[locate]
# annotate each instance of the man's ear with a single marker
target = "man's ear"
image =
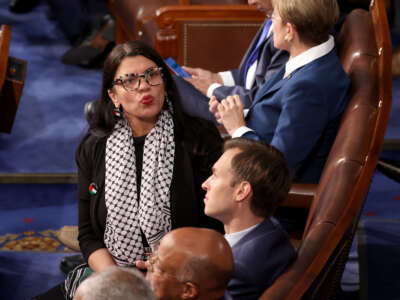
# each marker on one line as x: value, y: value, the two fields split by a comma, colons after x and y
x: 190, y: 290
x: 243, y: 190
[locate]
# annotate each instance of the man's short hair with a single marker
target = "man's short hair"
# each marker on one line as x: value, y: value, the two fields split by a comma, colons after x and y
x: 117, y: 283
x: 267, y: 171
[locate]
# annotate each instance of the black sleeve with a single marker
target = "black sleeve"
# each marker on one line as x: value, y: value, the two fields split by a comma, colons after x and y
x: 89, y: 241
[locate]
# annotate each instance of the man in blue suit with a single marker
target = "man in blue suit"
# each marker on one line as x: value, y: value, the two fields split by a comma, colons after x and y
x: 260, y: 62
x: 248, y: 183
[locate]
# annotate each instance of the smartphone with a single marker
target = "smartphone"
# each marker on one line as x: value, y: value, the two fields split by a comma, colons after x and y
x: 176, y: 68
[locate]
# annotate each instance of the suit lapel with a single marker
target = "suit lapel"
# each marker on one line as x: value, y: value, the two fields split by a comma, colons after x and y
x: 271, y: 85
x: 263, y: 227
x: 264, y: 57
x: 275, y: 83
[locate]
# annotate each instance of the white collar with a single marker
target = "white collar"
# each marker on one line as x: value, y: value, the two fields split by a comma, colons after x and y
x: 308, y: 56
x: 234, y: 237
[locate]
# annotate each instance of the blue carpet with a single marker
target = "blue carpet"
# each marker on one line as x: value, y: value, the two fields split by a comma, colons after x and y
x: 49, y: 121
x: 379, y: 259
x: 31, y: 222
x: 383, y: 199
x: 379, y: 243
x: 30, y: 214
x: 31, y: 273
x: 36, y: 195
x: 39, y: 218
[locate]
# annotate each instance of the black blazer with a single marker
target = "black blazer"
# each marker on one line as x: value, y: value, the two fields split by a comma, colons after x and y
x: 194, y: 156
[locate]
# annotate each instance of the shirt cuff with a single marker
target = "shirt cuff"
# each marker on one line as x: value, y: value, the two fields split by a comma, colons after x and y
x: 241, y: 131
x: 227, y: 78
x: 211, y: 88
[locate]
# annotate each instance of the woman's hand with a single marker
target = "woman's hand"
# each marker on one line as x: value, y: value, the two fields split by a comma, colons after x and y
x: 229, y: 112
x: 100, y: 260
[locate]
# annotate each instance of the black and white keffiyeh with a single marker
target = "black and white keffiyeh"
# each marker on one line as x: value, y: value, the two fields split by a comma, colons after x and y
x: 126, y: 215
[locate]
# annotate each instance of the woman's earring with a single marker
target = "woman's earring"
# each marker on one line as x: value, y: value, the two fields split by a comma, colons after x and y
x: 117, y: 112
x: 286, y: 39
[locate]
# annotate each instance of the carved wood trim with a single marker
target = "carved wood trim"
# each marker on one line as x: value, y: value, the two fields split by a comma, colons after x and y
x: 5, y: 38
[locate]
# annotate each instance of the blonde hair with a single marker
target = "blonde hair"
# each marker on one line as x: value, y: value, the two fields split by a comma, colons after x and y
x: 313, y: 19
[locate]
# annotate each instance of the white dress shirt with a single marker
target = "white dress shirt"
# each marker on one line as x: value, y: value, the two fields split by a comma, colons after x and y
x: 233, y: 238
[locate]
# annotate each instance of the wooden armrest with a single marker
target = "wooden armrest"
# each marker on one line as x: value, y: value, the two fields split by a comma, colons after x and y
x: 300, y: 195
x: 166, y: 14
x: 5, y: 38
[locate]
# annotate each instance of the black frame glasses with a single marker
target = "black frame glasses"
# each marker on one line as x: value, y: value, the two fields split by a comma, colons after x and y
x: 127, y: 78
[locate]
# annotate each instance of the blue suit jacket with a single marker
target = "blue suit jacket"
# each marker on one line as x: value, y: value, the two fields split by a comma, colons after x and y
x: 270, y: 60
x: 259, y: 257
x: 300, y: 114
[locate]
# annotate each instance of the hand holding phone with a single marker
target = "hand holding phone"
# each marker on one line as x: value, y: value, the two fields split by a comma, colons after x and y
x: 176, y: 68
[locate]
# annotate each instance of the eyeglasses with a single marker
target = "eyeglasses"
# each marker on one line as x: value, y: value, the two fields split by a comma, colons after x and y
x: 153, y: 266
x: 131, y: 82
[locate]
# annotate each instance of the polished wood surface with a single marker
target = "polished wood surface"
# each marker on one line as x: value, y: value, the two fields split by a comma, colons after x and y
x: 12, y: 79
x: 5, y: 38
x: 212, y: 34
x: 300, y: 195
x: 211, y: 37
x: 135, y: 18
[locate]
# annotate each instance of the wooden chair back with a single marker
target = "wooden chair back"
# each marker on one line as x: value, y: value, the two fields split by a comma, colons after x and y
x: 12, y: 79
x: 211, y: 37
x: 5, y: 38
x: 135, y: 19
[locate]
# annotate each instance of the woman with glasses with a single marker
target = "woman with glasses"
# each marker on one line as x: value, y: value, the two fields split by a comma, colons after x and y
x: 140, y: 166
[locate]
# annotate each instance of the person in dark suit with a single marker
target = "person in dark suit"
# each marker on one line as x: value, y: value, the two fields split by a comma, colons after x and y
x: 299, y: 109
x: 248, y: 183
x: 260, y: 62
